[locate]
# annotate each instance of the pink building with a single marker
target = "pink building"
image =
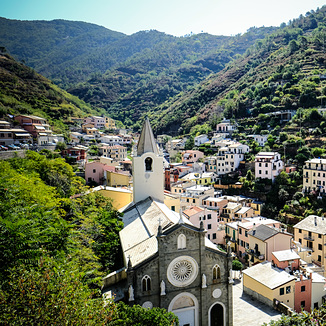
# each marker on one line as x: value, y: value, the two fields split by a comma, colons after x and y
x: 94, y: 172
x: 264, y: 239
x: 191, y: 156
x: 302, y: 293
x: 286, y: 259
x: 210, y: 219
x: 246, y: 225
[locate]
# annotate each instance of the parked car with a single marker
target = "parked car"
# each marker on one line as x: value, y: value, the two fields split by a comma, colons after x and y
x: 13, y: 147
x: 3, y: 148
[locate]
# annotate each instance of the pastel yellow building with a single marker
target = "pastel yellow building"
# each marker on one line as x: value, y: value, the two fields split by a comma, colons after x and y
x: 310, y: 235
x: 266, y: 283
x: 171, y: 201
x: 114, y: 179
x: 314, y: 176
x: 109, y: 123
x: 120, y: 196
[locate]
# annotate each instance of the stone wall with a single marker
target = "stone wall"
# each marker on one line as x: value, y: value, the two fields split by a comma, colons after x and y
x: 258, y: 297
x: 5, y: 155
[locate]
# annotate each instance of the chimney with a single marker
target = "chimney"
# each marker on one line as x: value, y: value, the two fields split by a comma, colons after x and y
x: 301, y: 277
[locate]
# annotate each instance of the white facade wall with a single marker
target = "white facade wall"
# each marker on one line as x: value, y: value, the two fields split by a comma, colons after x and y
x: 268, y: 165
x: 201, y: 139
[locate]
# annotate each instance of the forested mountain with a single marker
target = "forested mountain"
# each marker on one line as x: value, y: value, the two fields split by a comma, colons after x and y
x: 178, y: 81
x: 125, y: 75
x: 155, y: 75
x: 23, y: 91
x: 285, y: 70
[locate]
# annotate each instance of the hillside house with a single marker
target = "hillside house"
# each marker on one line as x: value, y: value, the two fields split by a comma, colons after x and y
x: 268, y: 165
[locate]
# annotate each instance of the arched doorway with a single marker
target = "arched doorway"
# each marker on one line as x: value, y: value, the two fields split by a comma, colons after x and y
x: 185, y: 306
x: 216, y: 315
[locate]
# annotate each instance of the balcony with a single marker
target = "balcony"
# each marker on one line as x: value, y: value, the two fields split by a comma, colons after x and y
x: 309, y: 237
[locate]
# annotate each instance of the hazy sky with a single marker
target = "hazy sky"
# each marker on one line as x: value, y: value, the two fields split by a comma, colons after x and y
x: 176, y: 17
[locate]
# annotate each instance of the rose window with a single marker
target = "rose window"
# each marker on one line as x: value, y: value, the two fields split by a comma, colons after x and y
x: 182, y: 271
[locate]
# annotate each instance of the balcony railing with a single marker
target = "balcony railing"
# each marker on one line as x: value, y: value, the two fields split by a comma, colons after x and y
x: 309, y: 238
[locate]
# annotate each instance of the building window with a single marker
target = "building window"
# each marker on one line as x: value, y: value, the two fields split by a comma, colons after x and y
x: 148, y: 163
x: 319, y: 258
x: 214, y: 236
x: 303, y: 304
x: 281, y: 291
x: 146, y: 283
x: 288, y: 289
x: 320, y: 247
x: 303, y: 288
x: 319, y: 236
x: 94, y: 170
x: 300, y: 231
x: 209, y: 216
x: 182, y: 241
x: 173, y: 208
x: 240, y: 231
x: 300, y: 241
x: 209, y: 237
x: 209, y: 226
x: 216, y: 272
x: 246, y: 234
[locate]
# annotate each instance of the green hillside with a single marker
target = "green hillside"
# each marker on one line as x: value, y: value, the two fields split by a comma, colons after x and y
x: 23, y: 91
x: 156, y: 75
x: 285, y: 70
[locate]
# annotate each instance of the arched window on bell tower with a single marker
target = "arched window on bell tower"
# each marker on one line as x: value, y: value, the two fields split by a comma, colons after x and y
x: 148, y: 164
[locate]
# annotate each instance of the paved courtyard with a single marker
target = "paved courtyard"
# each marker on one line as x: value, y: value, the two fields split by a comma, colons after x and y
x: 248, y: 311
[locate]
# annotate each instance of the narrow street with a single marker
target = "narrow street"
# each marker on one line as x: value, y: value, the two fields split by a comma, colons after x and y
x: 248, y: 311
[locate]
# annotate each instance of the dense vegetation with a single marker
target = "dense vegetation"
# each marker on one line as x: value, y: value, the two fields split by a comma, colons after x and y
x: 23, y: 91
x: 316, y: 318
x: 55, y: 247
x: 180, y: 82
x: 284, y: 70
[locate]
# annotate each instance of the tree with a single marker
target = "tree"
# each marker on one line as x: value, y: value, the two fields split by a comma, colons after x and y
x: 53, y: 293
x: 293, y: 46
x: 237, y: 265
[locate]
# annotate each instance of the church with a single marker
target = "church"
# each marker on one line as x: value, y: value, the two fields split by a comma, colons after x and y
x: 169, y: 263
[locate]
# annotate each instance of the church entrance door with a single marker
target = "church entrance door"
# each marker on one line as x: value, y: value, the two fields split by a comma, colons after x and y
x: 185, y: 306
x: 217, y: 315
x: 186, y: 316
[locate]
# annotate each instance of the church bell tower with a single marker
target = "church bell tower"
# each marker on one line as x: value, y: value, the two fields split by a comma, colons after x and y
x: 147, y: 167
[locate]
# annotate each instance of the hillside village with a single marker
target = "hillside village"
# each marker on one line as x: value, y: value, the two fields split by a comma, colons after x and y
x: 175, y: 180
x: 282, y: 264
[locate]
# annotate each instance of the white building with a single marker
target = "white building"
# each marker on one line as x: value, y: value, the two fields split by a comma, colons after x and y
x: 225, y: 126
x: 228, y: 158
x: 112, y: 140
x: 268, y: 165
x: 260, y: 139
x: 201, y: 139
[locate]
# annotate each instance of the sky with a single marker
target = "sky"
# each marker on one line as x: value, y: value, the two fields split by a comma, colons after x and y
x: 175, y: 17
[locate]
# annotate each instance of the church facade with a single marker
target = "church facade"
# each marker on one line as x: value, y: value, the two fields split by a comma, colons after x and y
x: 169, y: 263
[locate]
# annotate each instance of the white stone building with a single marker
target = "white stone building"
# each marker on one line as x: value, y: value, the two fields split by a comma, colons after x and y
x: 268, y: 165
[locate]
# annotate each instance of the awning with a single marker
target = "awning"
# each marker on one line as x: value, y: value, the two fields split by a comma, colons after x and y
x: 39, y: 127
x: 42, y: 134
x: 22, y: 135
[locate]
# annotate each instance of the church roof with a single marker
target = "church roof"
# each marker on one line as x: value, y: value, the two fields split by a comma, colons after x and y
x: 141, y: 222
x: 146, y: 141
